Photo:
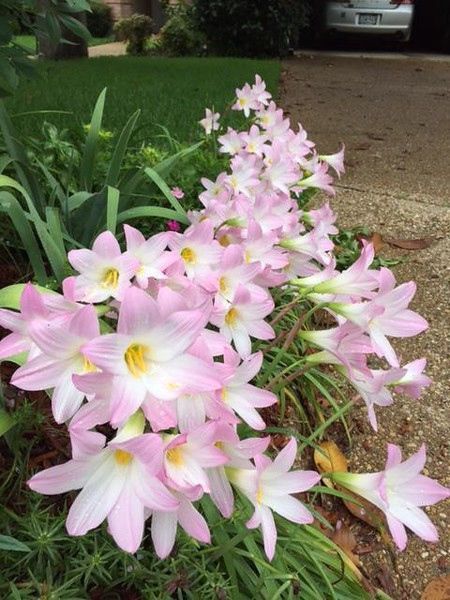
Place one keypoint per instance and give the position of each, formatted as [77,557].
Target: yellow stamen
[247,256]
[110,278]
[188,255]
[135,359]
[223,285]
[219,445]
[234,182]
[259,496]
[242,101]
[231,317]
[225,240]
[123,457]
[175,456]
[224,394]
[88,366]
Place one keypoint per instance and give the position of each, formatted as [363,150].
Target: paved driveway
[394,117]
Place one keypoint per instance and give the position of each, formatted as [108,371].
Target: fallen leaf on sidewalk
[437,589]
[328,459]
[417,244]
[344,538]
[374,238]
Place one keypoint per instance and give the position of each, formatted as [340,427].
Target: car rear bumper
[396,21]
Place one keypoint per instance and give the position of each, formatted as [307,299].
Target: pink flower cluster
[156,342]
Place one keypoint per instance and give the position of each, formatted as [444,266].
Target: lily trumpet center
[110,278]
[136,359]
[122,457]
[231,317]
[189,256]
[175,456]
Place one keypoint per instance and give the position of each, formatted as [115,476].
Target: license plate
[367,19]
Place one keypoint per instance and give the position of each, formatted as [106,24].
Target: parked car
[372,17]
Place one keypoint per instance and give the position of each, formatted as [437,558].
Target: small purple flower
[173,226]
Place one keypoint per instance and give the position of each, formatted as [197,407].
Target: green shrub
[100,20]
[249,28]
[135,30]
[180,35]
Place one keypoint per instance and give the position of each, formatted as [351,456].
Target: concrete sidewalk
[395,120]
[112,49]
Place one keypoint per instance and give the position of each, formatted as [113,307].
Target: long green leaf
[54,227]
[22,164]
[112,176]
[11,206]
[10,295]
[10,544]
[90,148]
[6,422]
[165,166]
[76,200]
[112,208]
[55,256]
[151,211]
[154,176]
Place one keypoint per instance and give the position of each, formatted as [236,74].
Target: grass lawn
[170,92]
[29,42]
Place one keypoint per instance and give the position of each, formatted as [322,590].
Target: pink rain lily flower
[177,192]
[148,354]
[254,141]
[269,488]
[164,523]
[242,397]
[117,483]
[240,453]
[399,491]
[374,389]
[62,357]
[246,100]
[33,313]
[336,161]
[414,380]
[356,280]
[259,91]
[104,271]
[319,179]
[233,271]
[243,317]
[196,249]
[150,255]
[210,122]
[231,142]
[386,315]
[188,455]
[244,174]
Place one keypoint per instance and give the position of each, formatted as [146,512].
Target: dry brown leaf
[417,244]
[437,589]
[365,511]
[329,458]
[374,238]
[377,241]
[344,538]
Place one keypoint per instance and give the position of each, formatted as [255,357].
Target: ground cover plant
[178,340]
